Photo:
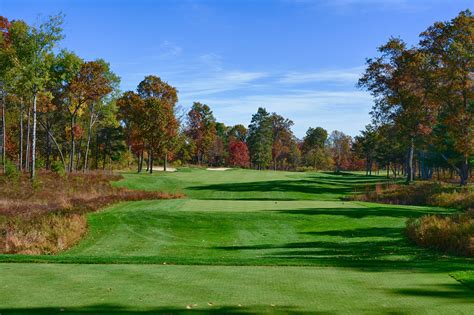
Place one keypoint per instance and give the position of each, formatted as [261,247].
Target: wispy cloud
[213,60]
[305,108]
[350,75]
[222,81]
[326,98]
[167,50]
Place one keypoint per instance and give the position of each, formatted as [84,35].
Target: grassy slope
[360,258]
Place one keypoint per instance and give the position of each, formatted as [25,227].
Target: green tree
[315,138]
[260,140]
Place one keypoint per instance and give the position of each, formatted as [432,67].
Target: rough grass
[77,192]
[44,234]
[48,215]
[435,194]
[450,234]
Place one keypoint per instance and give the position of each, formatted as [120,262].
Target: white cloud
[350,75]
[167,50]
[219,82]
[326,98]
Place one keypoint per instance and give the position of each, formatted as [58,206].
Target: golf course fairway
[243,241]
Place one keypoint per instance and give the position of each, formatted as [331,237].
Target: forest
[66,114]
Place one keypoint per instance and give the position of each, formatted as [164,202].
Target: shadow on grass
[446,291]
[117,309]
[362,232]
[339,186]
[372,249]
[363,212]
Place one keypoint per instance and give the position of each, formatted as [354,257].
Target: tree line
[62,112]
[423,117]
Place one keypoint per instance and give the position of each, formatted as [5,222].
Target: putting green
[243,241]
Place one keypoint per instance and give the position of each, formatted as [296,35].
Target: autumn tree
[89,85]
[32,55]
[282,139]
[341,149]
[426,93]
[149,119]
[238,154]
[237,132]
[450,47]
[201,130]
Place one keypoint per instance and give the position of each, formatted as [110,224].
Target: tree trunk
[33,145]
[464,171]
[89,133]
[48,148]
[4,135]
[50,135]
[73,144]
[410,161]
[21,137]
[105,150]
[78,155]
[28,142]
[140,161]
[150,158]
[165,162]
[97,151]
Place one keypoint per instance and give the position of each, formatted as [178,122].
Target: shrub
[58,168]
[11,171]
[449,234]
[463,199]
[420,193]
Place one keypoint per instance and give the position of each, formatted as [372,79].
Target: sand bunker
[218,168]
[160,169]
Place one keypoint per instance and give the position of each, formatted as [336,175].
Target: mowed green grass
[152,289]
[240,184]
[243,241]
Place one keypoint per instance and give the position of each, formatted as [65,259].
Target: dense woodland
[63,113]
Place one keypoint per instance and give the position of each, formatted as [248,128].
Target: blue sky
[299,58]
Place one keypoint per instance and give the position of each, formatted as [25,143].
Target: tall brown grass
[43,234]
[48,215]
[420,193]
[449,234]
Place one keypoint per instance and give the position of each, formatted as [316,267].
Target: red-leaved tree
[238,154]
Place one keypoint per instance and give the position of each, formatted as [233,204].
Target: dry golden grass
[449,234]
[421,193]
[48,215]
